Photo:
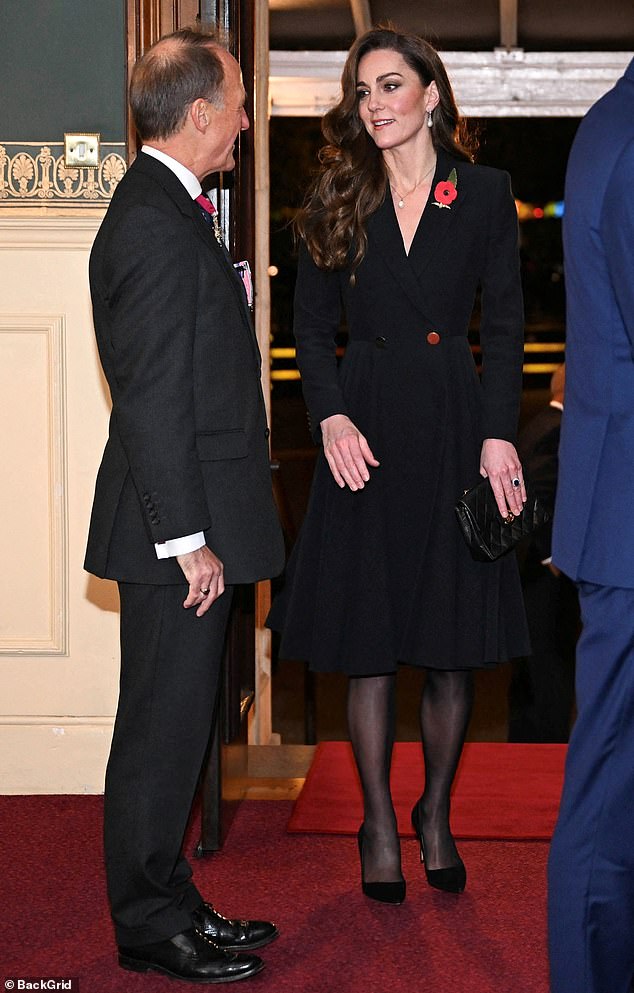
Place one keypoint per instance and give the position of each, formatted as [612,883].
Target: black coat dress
[383,575]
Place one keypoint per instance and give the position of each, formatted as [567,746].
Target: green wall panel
[62,68]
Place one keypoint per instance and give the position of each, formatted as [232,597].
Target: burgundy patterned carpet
[55,920]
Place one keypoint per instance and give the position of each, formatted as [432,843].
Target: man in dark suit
[183,508]
[541,692]
[591,865]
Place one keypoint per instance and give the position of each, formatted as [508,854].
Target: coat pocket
[222,445]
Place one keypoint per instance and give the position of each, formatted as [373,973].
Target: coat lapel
[437,222]
[206,232]
[384,234]
[433,229]
[177,192]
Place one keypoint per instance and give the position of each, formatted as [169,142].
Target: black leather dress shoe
[232,936]
[191,956]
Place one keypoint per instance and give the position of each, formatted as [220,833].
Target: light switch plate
[81,150]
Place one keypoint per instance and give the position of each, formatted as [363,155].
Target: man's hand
[204,572]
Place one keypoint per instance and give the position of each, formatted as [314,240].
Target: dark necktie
[210,215]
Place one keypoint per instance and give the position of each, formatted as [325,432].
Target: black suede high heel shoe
[453,878]
[393,892]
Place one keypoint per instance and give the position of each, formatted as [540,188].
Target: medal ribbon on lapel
[210,215]
[244,272]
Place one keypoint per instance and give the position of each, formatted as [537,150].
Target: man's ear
[199,113]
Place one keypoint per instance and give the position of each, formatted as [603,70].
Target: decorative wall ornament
[35,175]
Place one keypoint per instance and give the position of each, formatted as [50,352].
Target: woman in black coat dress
[400,229]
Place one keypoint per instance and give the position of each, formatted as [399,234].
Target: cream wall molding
[59,629]
[43,232]
[33,620]
[56,720]
[499,83]
[55,755]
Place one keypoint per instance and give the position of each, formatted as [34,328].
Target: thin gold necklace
[403,196]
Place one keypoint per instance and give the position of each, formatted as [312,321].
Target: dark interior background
[459,25]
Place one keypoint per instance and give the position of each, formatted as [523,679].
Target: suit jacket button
[380,342]
[433,338]
[267,433]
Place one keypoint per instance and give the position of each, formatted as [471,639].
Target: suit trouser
[170,664]
[591,862]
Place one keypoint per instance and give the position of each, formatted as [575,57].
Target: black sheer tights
[445,711]
[371,724]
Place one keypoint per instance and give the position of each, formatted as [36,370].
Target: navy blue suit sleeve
[617,234]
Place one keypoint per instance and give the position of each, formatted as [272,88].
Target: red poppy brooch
[446,191]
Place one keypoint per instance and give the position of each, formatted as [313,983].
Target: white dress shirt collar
[187,178]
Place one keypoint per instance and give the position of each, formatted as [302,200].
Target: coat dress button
[267,433]
[380,342]
[433,338]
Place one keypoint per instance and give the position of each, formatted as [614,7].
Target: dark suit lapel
[177,192]
[205,231]
[434,227]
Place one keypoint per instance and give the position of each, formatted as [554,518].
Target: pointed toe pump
[451,879]
[392,892]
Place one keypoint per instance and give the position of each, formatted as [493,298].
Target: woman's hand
[499,462]
[347,452]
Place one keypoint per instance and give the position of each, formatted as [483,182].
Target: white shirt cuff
[547,561]
[180,546]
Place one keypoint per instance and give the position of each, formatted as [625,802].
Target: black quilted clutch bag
[487,533]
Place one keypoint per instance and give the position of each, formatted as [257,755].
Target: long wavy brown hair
[351,183]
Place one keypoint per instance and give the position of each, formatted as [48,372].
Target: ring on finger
[205,590]
[515,481]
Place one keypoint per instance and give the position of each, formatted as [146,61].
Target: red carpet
[502,791]
[55,920]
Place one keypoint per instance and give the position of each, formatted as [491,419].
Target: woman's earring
[429,119]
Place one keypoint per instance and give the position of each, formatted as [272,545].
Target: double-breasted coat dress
[382,575]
